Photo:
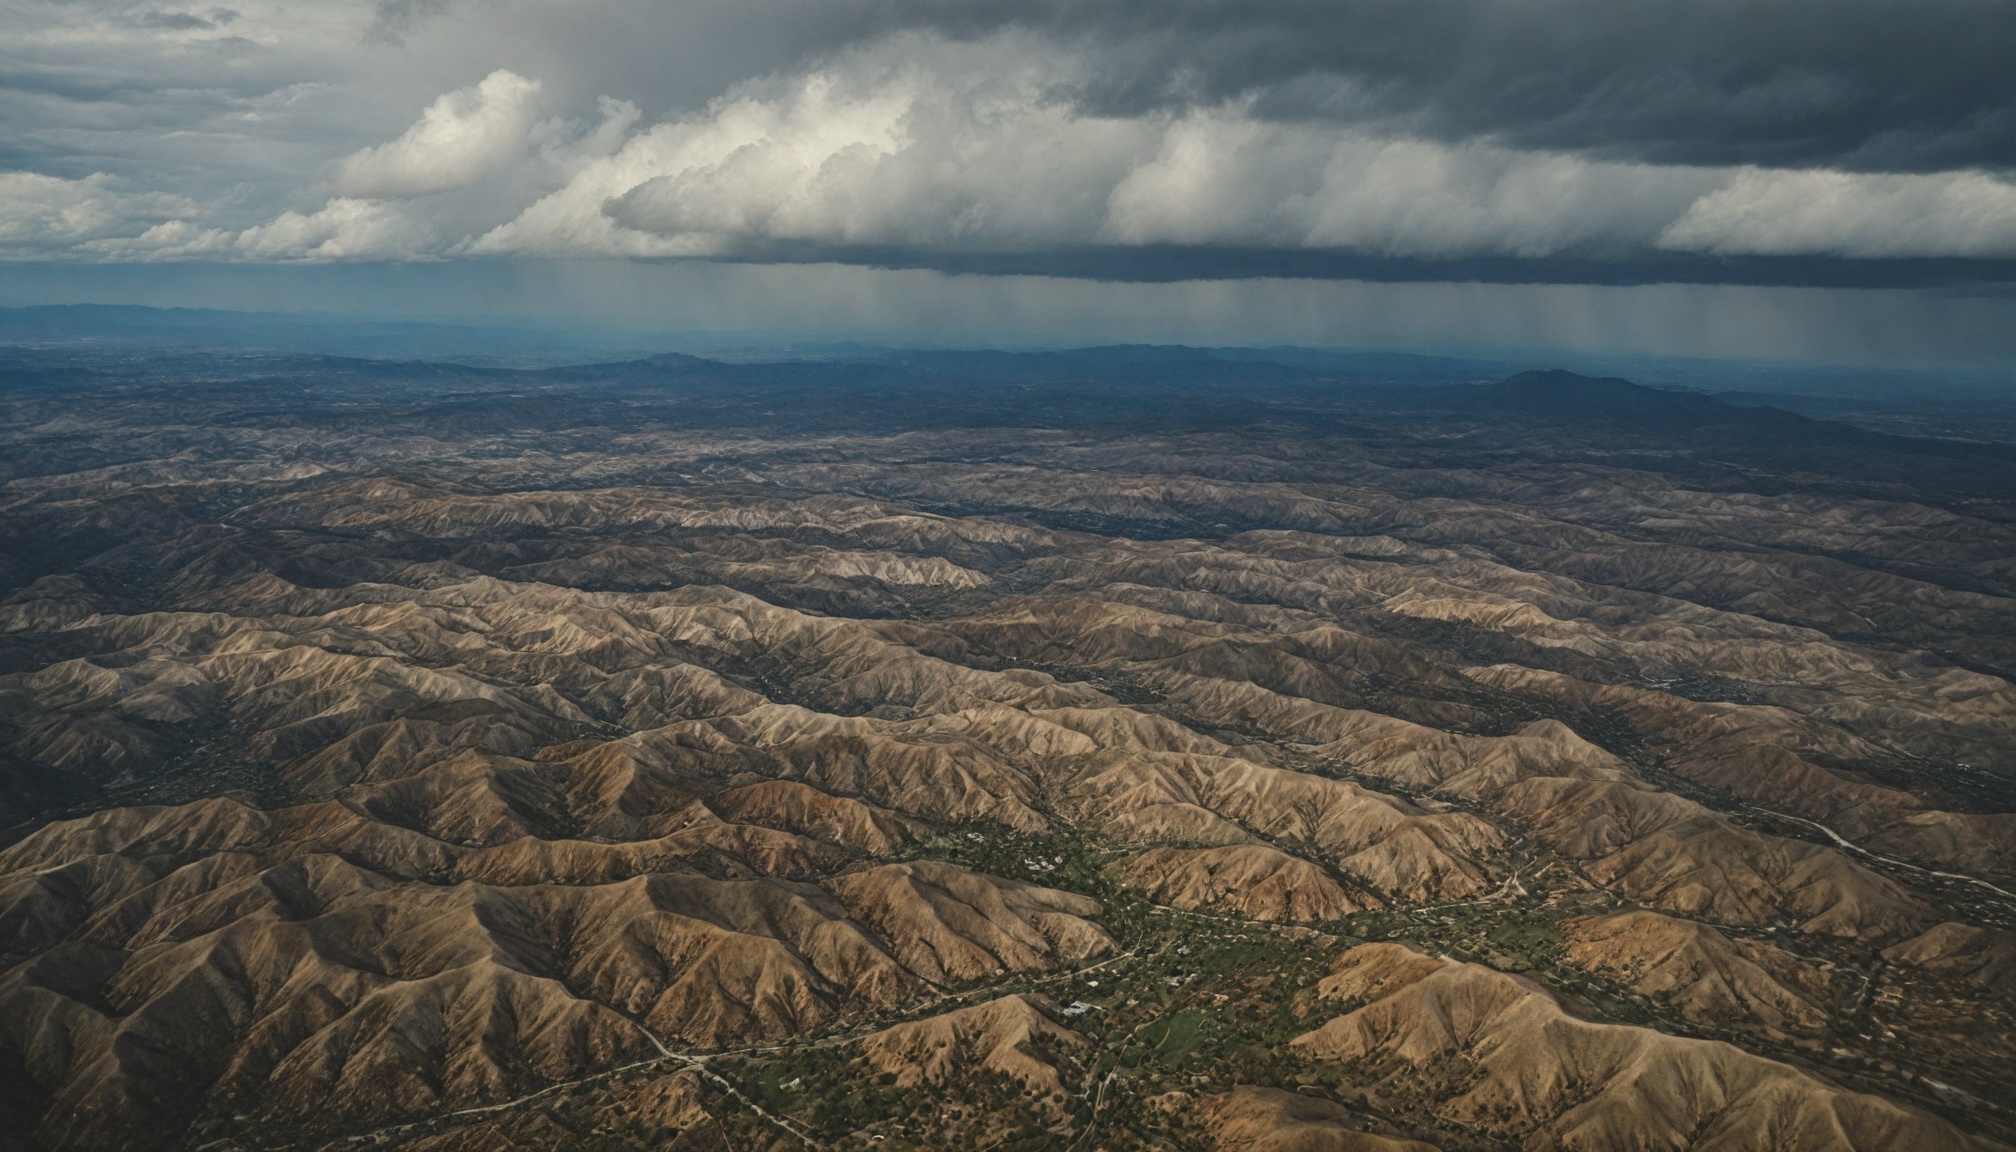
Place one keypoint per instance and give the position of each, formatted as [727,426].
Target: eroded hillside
[683,755]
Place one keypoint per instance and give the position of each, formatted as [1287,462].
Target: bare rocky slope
[1129,751]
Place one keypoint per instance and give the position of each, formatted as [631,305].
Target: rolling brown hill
[1539,1075]
[398,766]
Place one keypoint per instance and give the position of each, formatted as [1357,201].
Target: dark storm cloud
[1899,85]
[1904,85]
[1865,84]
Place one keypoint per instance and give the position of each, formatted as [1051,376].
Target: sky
[1806,178]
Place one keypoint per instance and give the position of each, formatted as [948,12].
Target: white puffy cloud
[1224,178]
[486,130]
[917,143]
[1766,213]
[343,229]
[459,139]
[44,214]
[921,144]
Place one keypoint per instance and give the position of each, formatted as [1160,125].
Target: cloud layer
[1435,131]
